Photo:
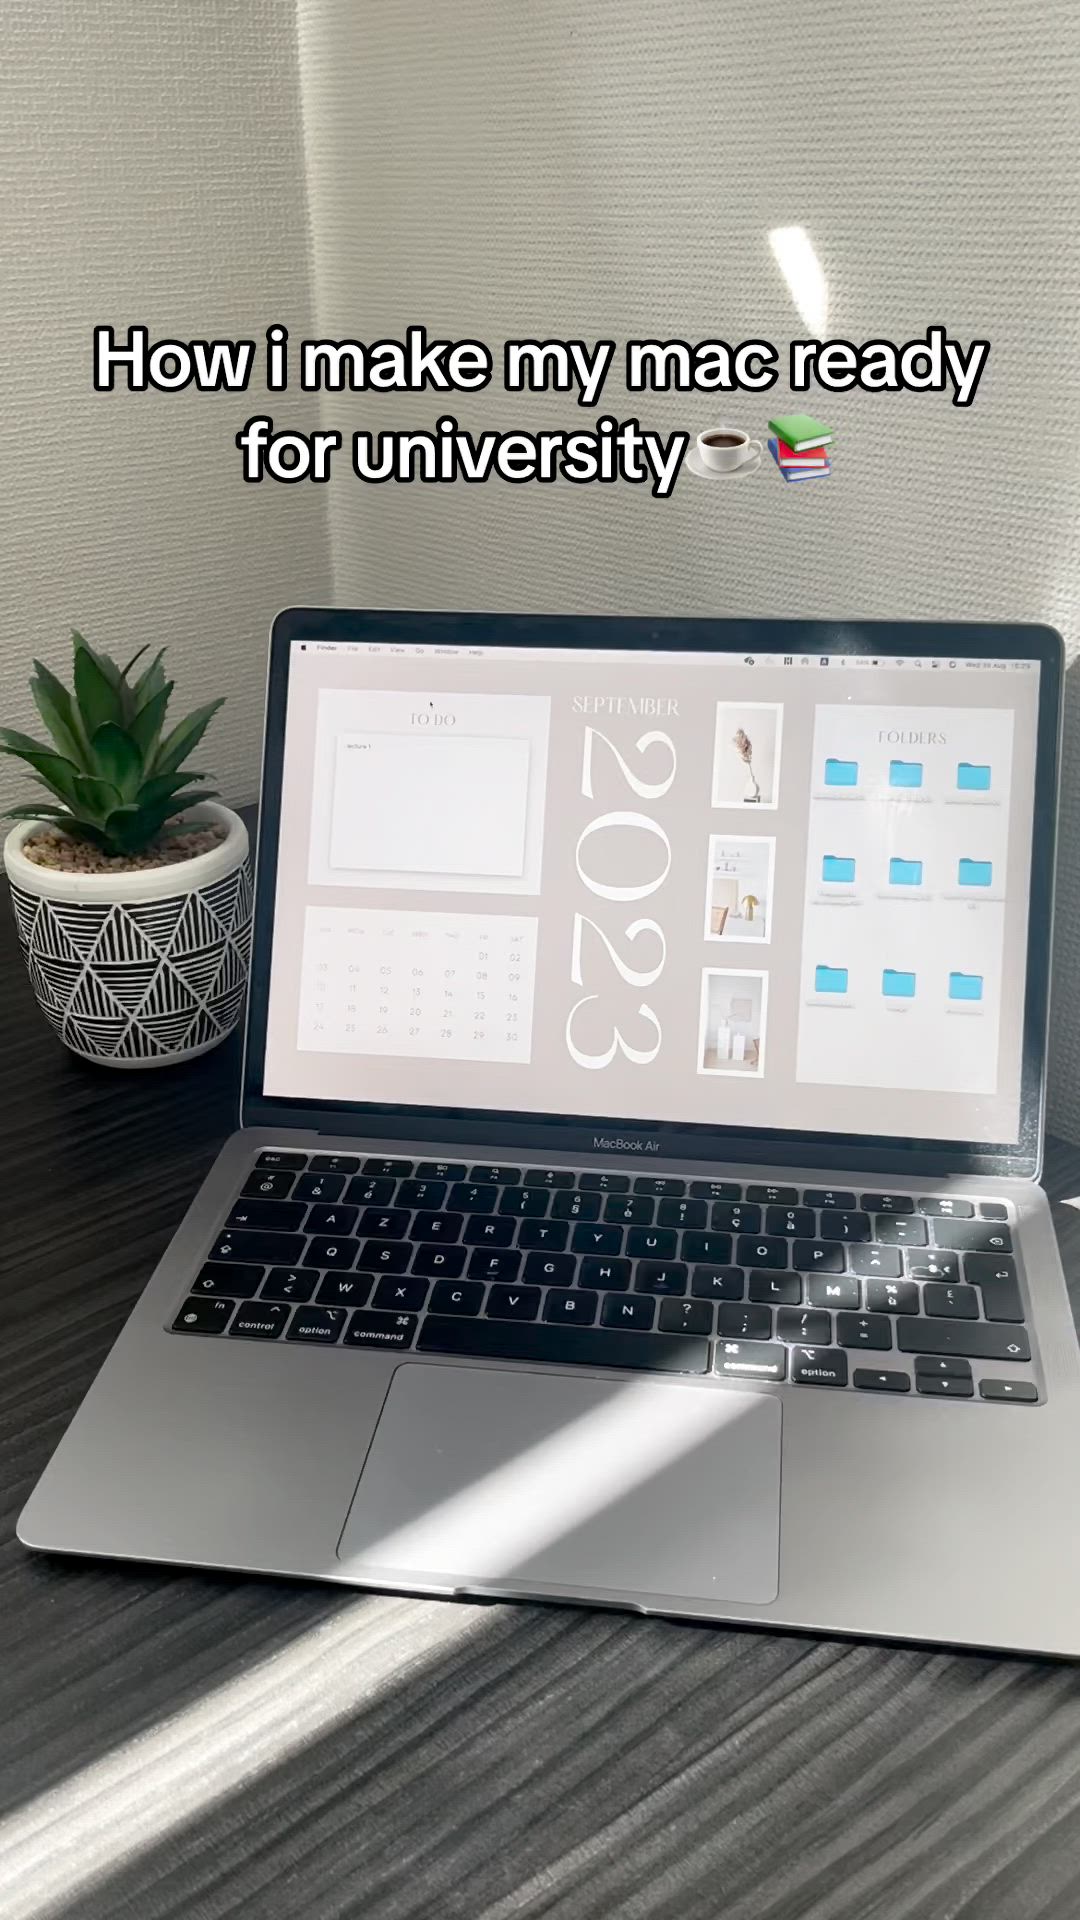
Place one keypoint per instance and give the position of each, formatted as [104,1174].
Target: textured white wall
[152,167]
[614,170]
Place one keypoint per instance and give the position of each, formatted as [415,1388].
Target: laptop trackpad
[478,1478]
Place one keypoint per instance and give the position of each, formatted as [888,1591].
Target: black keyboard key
[379,1256]
[331,1252]
[717,1283]
[437,1226]
[464,1297]
[746,1360]
[972,1236]
[713,1248]
[399,1293]
[441,1170]
[715,1190]
[932,1263]
[319,1186]
[838,1225]
[612,1276]
[365,1192]
[370,1329]
[682,1213]
[889,1381]
[993,1210]
[466,1196]
[864,1330]
[995,1277]
[660,1185]
[498,1264]
[584,1346]
[892,1296]
[887,1203]
[204,1316]
[744,1323]
[806,1325]
[941,1364]
[775,1196]
[874,1262]
[428,1194]
[551,1269]
[829,1197]
[789,1220]
[652,1243]
[661,1277]
[344,1289]
[262,1249]
[576,1308]
[496,1176]
[338,1221]
[525,1203]
[259,1320]
[604,1183]
[513,1303]
[543,1236]
[319,1325]
[976,1338]
[776,1289]
[758,1250]
[1008,1390]
[951,1303]
[483,1230]
[548,1177]
[833,1290]
[388,1169]
[948,1387]
[947,1209]
[281,1216]
[576,1206]
[900,1230]
[295,1284]
[629,1210]
[236,1281]
[817,1256]
[735,1217]
[630,1310]
[335,1162]
[280,1157]
[685,1316]
[439,1262]
[596,1239]
[384,1223]
[269,1186]
[819,1367]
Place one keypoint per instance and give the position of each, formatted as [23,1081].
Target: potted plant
[132,888]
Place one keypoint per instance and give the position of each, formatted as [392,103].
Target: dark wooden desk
[187,1745]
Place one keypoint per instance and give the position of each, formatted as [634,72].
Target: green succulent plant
[116,774]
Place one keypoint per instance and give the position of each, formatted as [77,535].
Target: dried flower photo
[746,755]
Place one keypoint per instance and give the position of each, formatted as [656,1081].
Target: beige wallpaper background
[551,169]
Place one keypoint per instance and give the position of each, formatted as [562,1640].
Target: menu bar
[812,662]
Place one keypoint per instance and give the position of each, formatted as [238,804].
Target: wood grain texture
[181,1745]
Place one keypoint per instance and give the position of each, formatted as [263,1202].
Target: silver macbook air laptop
[635,1200]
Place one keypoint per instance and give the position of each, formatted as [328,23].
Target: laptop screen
[785,892]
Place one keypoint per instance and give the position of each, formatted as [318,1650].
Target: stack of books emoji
[800,446]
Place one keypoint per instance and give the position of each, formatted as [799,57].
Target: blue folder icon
[830,979]
[965,986]
[975,873]
[900,985]
[972,779]
[905,773]
[837,867]
[905,873]
[841,773]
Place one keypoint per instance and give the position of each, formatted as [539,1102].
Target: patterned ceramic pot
[138,969]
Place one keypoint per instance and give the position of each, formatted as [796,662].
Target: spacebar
[574,1346]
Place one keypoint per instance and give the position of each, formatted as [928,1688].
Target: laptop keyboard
[819,1287]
